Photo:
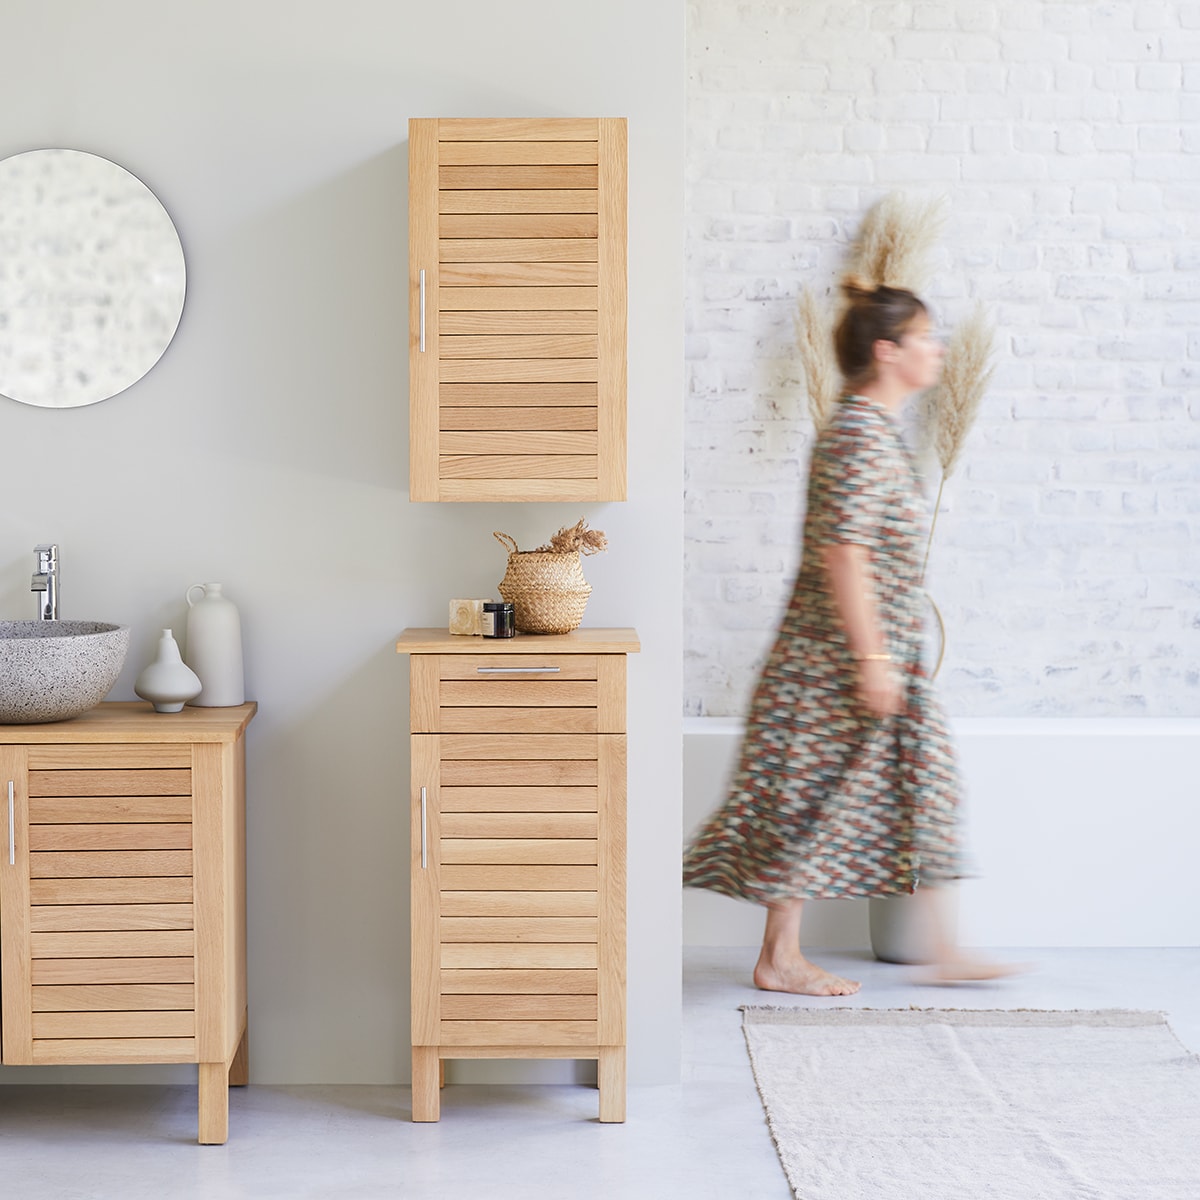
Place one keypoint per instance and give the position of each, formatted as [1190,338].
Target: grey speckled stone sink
[54,670]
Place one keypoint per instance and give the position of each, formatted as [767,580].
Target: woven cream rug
[936,1104]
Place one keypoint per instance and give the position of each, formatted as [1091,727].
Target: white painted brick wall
[1066,137]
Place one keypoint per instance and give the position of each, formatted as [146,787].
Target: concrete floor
[705,1138]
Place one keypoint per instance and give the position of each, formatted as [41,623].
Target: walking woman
[846,784]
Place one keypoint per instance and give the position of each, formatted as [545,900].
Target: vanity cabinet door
[517,348]
[98,929]
[16,1003]
[519,889]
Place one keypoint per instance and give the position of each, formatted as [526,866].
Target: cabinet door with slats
[506,945]
[517,247]
[99,906]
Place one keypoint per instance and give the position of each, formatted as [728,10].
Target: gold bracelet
[873,657]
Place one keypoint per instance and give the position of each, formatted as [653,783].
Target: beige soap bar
[466,617]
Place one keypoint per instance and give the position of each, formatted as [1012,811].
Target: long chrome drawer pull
[422,312]
[424,842]
[12,828]
[517,670]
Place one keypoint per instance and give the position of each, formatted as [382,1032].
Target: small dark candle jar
[498,619]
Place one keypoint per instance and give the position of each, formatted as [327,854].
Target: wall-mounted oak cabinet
[517,341]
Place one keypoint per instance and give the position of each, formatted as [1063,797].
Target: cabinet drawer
[515,694]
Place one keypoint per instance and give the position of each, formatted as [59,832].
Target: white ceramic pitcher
[214,646]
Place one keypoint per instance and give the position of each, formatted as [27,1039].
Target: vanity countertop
[579,641]
[136,721]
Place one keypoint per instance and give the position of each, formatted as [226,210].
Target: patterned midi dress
[827,800]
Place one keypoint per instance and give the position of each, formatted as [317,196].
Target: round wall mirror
[91,278]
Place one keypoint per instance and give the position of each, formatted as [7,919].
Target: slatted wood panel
[547,940]
[111,917]
[517,348]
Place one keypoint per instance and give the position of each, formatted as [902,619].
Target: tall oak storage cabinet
[123,894]
[518,852]
[517,341]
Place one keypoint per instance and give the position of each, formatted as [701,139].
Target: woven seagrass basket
[547,590]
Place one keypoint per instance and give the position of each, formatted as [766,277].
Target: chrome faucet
[45,582]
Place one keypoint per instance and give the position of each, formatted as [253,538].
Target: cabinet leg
[426,1099]
[214,1104]
[610,1072]
[239,1069]
[441,1072]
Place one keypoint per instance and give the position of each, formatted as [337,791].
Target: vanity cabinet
[518,853]
[517,341]
[123,894]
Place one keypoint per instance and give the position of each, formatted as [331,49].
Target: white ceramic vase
[168,681]
[214,646]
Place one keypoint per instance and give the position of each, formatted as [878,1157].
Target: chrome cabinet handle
[422,312]
[424,841]
[517,670]
[12,828]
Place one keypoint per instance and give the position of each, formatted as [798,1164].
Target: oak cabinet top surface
[136,721]
[579,641]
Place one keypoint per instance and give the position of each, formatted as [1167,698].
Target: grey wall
[268,449]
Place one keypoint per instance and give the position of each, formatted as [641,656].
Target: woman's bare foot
[801,978]
[962,968]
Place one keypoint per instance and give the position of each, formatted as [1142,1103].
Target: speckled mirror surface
[92,278]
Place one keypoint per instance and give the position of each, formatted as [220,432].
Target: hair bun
[857,288]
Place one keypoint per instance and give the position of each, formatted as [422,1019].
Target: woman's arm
[852,584]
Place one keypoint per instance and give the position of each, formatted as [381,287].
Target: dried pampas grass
[966,372]
[952,405]
[894,241]
[814,335]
